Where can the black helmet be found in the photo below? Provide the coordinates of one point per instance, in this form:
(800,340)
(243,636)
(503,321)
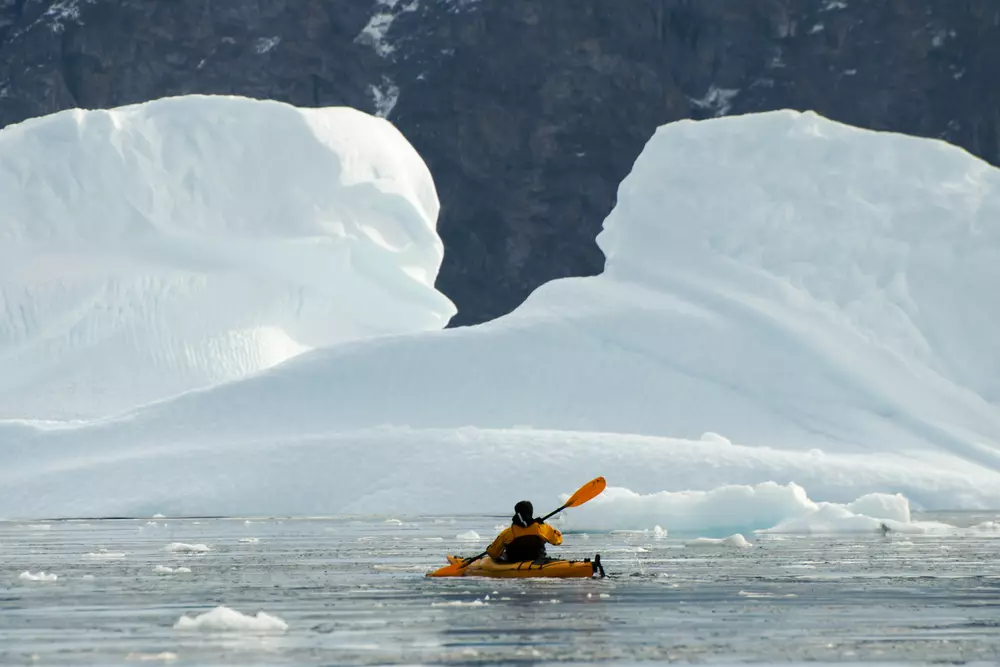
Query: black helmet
(523,514)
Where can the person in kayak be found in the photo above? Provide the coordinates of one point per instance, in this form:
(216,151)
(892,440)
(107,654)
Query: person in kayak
(526,538)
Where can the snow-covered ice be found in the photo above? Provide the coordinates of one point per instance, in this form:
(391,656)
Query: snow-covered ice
(785,299)
(41,576)
(468,536)
(160,247)
(105,554)
(224,619)
(765,508)
(163,656)
(735,541)
(183,547)
(166,569)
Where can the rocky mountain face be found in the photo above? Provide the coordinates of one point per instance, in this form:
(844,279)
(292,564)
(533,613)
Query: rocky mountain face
(528,112)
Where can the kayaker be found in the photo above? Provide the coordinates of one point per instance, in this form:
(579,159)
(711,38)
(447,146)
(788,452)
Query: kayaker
(526,538)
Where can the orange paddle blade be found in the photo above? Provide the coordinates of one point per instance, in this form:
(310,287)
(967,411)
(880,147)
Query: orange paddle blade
(587,492)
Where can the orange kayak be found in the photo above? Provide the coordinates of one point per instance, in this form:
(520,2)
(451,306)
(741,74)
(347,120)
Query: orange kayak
(487,567)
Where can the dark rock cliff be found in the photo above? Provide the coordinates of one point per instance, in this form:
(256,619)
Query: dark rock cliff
(528,113)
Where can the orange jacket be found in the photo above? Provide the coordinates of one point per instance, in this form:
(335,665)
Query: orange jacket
(542,530)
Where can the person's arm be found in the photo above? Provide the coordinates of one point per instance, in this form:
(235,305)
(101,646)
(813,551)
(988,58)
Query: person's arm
(496,549)
(550,534)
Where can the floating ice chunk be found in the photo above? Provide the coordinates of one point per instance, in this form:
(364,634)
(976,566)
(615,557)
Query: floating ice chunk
(182,547)
(41,576)
(104,554)
(229,620)
(159,516)
(987,526)
(460,603)
(830,518)
(764,508)
(165,656)
(659,532)
(751,594)
(165,569)
(468,536)
(39,526)
(736,541)
(249,540)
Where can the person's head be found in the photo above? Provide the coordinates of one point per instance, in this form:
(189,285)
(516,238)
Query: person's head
(524,514)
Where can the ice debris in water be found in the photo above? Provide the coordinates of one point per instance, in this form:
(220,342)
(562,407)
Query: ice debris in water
(41,576)
(181,547)
(460,603)
(165,656)
(104,554)
(159,516)
(659,532)
(468,536)
(736,541)
(164,569)
(249,540)
(225,619)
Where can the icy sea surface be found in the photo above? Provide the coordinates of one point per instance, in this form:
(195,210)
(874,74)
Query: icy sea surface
(353,591)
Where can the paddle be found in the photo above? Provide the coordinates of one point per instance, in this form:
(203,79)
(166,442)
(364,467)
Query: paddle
(585,493)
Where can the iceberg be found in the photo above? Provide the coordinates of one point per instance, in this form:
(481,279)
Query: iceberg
(785,299)
(176,244)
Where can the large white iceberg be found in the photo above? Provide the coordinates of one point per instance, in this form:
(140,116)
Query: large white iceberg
(820,295)
(160,247)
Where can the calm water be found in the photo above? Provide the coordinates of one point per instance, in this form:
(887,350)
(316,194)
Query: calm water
(353,592)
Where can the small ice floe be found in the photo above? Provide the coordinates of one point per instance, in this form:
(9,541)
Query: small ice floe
(183,548)
(468,536)
(38,526)
(158,516)
(461,603)
(736,541)
(224,619)
(166,656)
(394,521)
(249,540)
(165,569)
(87,576)
(41,576)
(987,526)
(751,594)
(104,554)
(659,532)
